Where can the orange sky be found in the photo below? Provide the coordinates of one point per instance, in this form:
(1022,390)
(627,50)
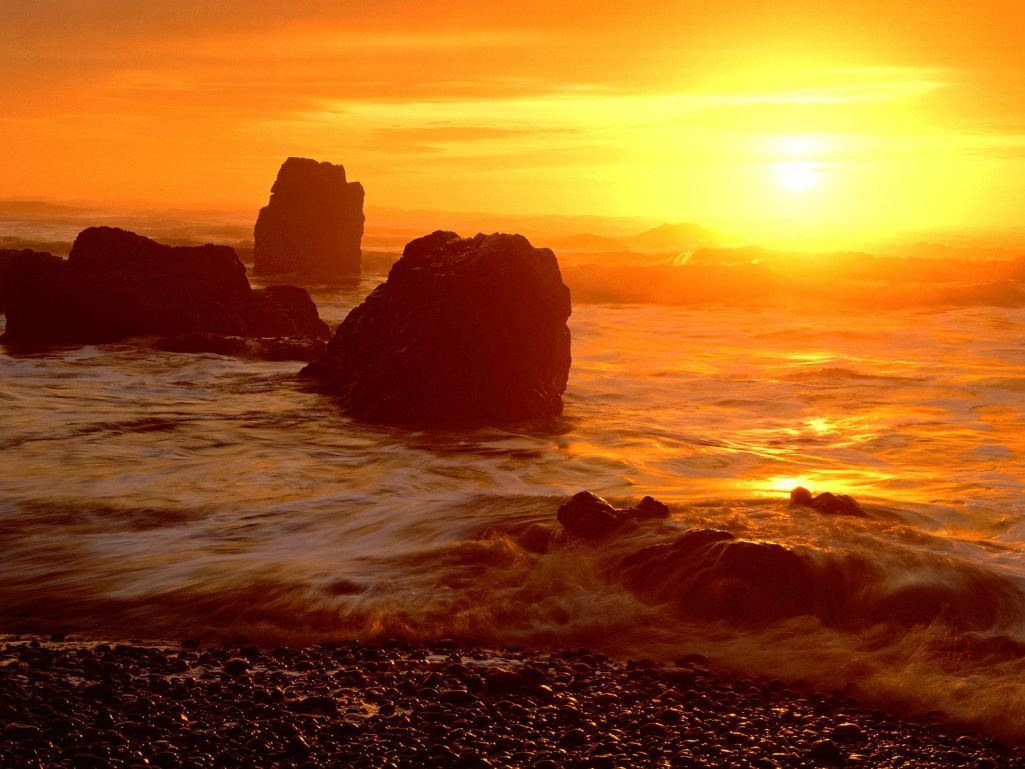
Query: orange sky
(785,121)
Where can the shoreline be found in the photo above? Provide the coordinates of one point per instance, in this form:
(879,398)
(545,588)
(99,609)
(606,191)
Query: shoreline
(88,703)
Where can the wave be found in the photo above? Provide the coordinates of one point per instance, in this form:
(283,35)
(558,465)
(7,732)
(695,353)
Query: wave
(164,496)
(826,282)
(865,606)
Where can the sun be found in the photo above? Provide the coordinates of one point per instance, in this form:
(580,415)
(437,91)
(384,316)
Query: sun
(798,175)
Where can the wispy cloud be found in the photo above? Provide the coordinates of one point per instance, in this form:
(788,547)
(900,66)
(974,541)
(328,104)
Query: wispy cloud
(675,108)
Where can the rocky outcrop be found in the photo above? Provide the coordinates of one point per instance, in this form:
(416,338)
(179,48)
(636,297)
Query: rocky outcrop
(465,331)
(7,257)
(284,311)
(589,516)
(312,225)
(116,284)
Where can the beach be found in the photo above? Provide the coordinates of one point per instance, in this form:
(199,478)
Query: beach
(512,385)
(73,703)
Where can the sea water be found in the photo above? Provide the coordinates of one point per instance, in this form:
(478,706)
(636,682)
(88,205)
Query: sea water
(155,495)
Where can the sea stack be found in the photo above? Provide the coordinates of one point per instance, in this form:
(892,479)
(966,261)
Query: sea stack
(312,225)
(465,331)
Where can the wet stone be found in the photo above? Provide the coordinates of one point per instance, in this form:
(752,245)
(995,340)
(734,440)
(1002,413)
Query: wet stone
(574,738)
(847,732)
(501,680)
(826,753)
(236,666)
(19,731)
(322,705)
(458,697)
(670,717)
(297,747)
(410,706)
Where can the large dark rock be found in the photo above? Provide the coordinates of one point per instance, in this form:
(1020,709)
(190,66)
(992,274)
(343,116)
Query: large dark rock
(465,331)
(116,284)
(7,257)
(312,225)
(284,311)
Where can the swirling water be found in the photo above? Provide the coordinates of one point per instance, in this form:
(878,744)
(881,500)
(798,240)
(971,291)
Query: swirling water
(162,495)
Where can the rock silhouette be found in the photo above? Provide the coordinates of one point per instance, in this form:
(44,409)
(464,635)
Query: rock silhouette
(589,516)
(7,257)
(465,331)
(116,284)
(312,225)
(827,502)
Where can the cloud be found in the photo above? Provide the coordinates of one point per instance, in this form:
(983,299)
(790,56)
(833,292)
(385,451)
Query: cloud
(1001,146)
(552,104)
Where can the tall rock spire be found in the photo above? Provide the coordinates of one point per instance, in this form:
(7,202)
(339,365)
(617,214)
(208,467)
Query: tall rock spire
(312,225)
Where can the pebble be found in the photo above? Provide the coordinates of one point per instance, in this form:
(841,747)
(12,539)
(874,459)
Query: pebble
(236,666)
(826,753)
(78,705)
(847,732)
(574,738)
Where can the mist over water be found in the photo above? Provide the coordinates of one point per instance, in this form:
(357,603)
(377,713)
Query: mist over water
(158,495)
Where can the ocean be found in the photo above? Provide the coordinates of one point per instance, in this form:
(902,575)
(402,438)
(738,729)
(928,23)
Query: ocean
(155,495)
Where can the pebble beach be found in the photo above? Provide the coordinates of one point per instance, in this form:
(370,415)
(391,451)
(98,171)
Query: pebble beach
(81,705)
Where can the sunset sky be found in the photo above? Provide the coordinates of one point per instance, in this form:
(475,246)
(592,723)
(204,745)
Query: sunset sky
(786,121)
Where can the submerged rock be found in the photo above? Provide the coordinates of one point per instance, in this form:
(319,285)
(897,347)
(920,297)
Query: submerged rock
(589,516)
(712,574)
(827,503)
(312,225)
(116,284)
(465,331)
(649,507)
